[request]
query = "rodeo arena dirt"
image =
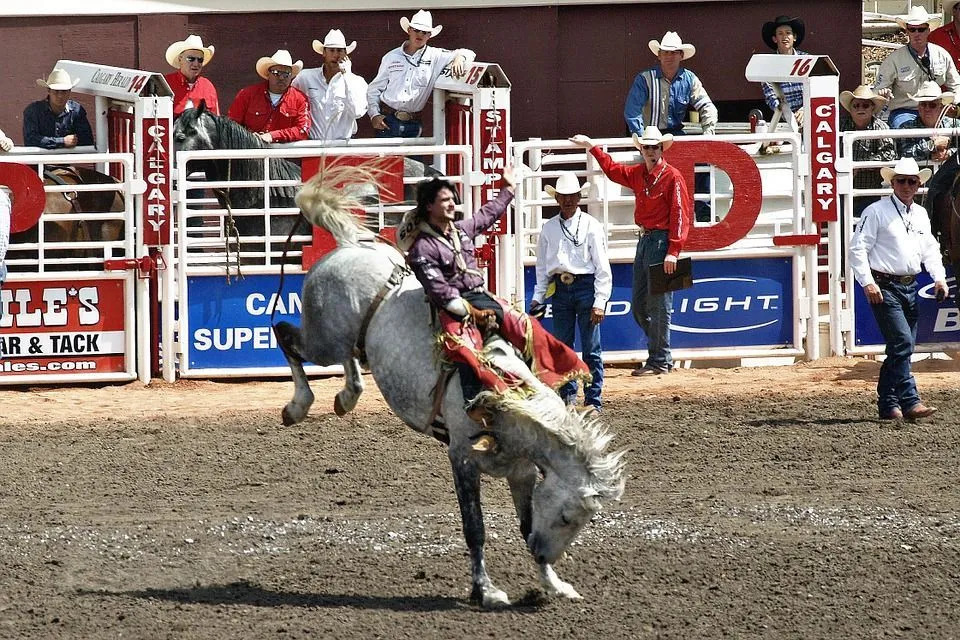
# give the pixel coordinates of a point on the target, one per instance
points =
(159, 494)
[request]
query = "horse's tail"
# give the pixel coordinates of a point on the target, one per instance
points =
(328, 200)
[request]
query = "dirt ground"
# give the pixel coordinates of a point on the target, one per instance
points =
(760, 503)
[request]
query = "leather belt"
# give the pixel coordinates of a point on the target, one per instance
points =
(645, 230)
(880, 276)
(569, 278)
(402, 116)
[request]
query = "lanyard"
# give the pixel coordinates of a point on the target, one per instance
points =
(919, 61)
(906, 210)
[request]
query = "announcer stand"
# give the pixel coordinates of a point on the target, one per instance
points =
(821, 85)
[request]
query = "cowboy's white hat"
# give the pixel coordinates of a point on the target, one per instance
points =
(918, 15)
(282, 58)
(905, 167)
(930, 90)
(863, 92)
(671, 42)
(58, 80)
(191, 43)
(567, 184)
(421, 21)
(651, 136)
(335, 40)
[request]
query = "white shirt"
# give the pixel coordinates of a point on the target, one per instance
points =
(406, 82)
(4, 232)
(900, 72)
(335, 105)
(894, 239)
(556, 253)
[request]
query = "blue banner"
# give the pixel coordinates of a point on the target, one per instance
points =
(733, 303)
(937, 321)
(230, 323)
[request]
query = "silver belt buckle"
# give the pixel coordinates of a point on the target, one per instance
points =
(642, 230)
(904, 279)
(567, 278)
(403, 116)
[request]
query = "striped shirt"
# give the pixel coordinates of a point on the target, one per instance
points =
(869, 149)
(654, 100)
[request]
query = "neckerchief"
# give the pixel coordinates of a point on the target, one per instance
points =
(453, 244)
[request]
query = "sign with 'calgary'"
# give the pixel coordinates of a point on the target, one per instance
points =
(62, 327)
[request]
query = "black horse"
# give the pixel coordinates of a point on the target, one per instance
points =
(943, 207)
(198, 129)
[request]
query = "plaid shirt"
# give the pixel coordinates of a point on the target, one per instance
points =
(869, 149)
(921, 148)
(792, 92)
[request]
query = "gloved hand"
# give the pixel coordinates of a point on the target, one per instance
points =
(484, 319)
(5, 143)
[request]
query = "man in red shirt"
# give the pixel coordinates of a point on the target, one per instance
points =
(664, 213)
(189, 57)
(273, 109)
(948, 36)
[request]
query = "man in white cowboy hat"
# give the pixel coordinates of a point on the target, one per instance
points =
(190, 57)
(948, 36)
(861, 108)
(932, 104)
(891, 244)
(273, 109)
(784, 34)
(662, 95)
(664, 214)
(397, 95)
(573, 271)
(903, 71)
(338, 97)
(56, 121)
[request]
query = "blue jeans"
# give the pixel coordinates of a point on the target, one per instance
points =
(897, 318)
(399, 129)
(652, 312)
(572, 304)
(898, 116)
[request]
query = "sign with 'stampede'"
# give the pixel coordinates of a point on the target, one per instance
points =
(56, 327)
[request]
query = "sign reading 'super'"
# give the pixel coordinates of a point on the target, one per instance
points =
(53, 327)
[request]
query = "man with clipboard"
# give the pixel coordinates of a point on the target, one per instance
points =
(664, 213)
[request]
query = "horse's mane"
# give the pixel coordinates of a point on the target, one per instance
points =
(232, 135)
(582, 431)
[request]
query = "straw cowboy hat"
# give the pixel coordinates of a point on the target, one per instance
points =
(335, 40)
(918, 15)
(863, 92)
(58, 80)
(567, 184)
(651, 136)
(421, 21)
(770, 30)
(192, 43)
(930, 90)
(282, 58)
(905, 167)
(671, 42)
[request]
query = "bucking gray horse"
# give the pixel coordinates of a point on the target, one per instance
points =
(361, 304)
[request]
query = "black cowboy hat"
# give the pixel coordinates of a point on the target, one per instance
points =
(770, 29)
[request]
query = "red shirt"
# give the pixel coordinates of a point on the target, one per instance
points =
(186, 92)
(289, 121)
(663, 201)
(946, 37)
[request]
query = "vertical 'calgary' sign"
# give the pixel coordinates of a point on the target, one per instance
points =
(156, 172)
(823, 157)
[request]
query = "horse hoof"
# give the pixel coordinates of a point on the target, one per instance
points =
(495, 599)
(288, 419)
(338, 407)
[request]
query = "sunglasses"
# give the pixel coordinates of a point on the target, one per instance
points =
(193, 59)
(917, 29)
(650, 147)
(932, 104)
(283, 75)
(861, 104)
(907, 181)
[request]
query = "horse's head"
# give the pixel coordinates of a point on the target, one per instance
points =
(195, 129)
(560, 511)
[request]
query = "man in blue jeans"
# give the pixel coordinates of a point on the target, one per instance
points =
(404, 83)
(891, 244)
(574, 272)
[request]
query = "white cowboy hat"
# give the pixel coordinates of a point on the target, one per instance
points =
(651, 136)
(905, 167)
(421, 21)
(282, 58)
(335, 40)
(567, 184)
(930, 90)
(58, 80)
(192, 43)
(671, 42)
(863, 92)
(918, 15)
